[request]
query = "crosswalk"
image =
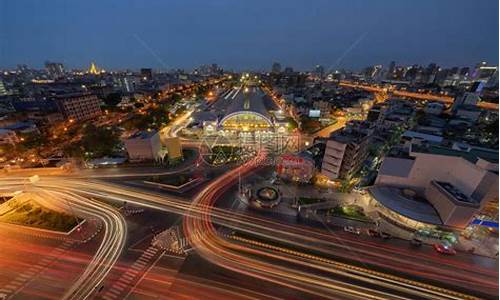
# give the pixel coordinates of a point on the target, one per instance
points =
(184, 241)
(120, 287)
(24, 278)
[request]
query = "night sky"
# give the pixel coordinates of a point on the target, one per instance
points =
(247, 34)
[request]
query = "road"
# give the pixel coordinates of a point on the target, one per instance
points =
(414, 95)
(112, 243)
(325, 132)
(219, 251)
(279, 248)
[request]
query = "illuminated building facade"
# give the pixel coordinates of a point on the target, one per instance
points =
(246, 112)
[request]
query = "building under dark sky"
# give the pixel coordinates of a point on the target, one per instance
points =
(247, 34)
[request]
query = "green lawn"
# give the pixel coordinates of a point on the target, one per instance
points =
(175, 180)
(29, 213)
(306, 201)
(350, 212)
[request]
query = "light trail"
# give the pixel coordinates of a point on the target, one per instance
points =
(205, 211)
(111, 247)
(215, 250)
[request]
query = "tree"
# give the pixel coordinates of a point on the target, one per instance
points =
(99, 141)
(176, 97)
(95, 142)
(30, 141)
(113, 99)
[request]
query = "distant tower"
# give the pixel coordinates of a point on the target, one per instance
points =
(276, 68)
(55, 70)
(319, 71)
(391, 70)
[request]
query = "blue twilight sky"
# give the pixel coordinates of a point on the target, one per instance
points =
(249, 34)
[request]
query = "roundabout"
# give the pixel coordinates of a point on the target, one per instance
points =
(261, 196)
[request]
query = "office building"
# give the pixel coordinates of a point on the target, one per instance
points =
(276, 68)
(434, 108)
(55, 70)
(147, 74)
(79, 106)
(465, 99)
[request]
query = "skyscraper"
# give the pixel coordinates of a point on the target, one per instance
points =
(390, 71)
(55, 70)
(147, 73)
(276, 68)
(319, 71)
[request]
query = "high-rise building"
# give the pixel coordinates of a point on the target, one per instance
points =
(483, 71)
(288, 71)
(464, 72)
(465, 99)
(276, 68)
(55, 70)
(3, 90)
(22, 68)
(391, 70)
(319, 71)
(147, 74)
(79, 106)
(373, 71)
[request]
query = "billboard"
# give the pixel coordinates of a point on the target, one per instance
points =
(314, 113)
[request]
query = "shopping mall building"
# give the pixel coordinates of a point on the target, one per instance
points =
(437, 186)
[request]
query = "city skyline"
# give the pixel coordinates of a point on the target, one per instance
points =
(174, 35)
(249, 150)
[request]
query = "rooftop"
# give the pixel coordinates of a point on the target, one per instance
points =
(142, 135)
(348, 136)
(396, 166)
(20, 126)
(248, 98)
(473, 155)
(454, 193)
(4, 131)
(394, 199)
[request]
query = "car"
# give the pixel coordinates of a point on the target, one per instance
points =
(444, 249)
(352, 230)
(416, 242)
(385, 235)
(373, 233)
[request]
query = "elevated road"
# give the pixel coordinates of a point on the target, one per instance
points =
(448, 100)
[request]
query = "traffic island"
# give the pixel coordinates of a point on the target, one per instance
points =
(179, 183)
(262, 196)
(25, 210)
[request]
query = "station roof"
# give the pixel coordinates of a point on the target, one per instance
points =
(247, 99)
